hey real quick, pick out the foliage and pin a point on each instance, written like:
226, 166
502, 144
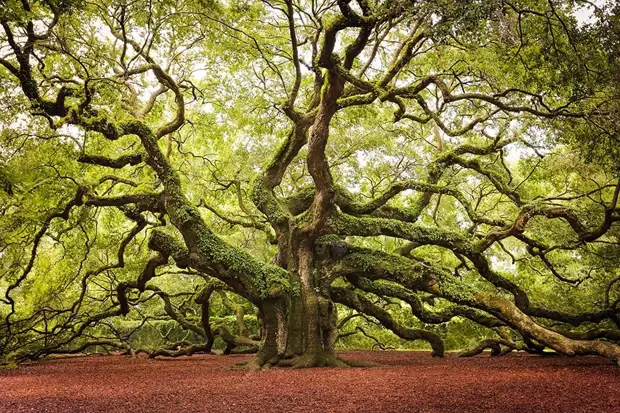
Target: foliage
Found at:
442, 169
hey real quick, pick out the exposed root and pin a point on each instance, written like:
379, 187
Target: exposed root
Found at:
260, 361
318, 360
177, 351
492, 344
438, 351
252, 365
322, 359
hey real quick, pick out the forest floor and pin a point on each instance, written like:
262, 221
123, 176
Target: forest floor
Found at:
405, 382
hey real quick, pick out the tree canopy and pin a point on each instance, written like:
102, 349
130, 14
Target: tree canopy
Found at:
308, 166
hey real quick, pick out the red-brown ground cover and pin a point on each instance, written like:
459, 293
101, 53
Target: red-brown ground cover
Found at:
406, 382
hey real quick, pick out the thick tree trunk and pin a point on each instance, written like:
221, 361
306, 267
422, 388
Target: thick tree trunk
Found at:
310, 302
295, 328
272, 314
299, 331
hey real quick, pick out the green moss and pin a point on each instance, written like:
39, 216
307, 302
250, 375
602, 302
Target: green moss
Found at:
325, 86
382, 265
329, 239
349, 225
261, 280
267, 203
356, 100
454, 290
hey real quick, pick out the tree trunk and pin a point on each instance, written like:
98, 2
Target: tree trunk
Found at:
272, 314
295, 328
299, 331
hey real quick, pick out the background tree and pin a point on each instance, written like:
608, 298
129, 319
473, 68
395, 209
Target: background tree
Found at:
293, 158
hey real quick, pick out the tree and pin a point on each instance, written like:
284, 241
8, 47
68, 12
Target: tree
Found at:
360, 153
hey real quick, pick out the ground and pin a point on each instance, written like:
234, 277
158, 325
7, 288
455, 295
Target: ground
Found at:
405, 382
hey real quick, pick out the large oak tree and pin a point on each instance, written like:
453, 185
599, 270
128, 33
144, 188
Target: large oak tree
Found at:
305, 157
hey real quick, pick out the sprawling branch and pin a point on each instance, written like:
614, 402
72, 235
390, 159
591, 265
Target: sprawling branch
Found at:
360, 303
